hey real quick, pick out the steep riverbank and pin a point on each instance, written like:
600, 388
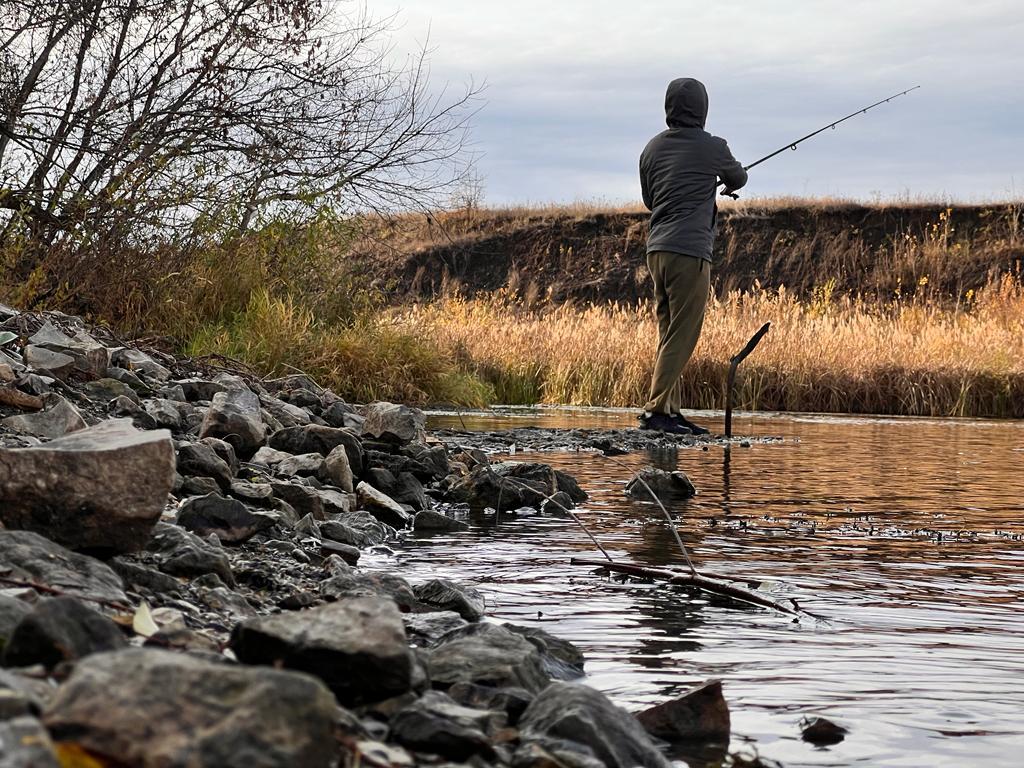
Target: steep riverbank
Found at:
588, 254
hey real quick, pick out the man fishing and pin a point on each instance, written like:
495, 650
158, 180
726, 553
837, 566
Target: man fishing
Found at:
680, 170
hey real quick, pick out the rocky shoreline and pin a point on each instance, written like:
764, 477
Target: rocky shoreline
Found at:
180, 581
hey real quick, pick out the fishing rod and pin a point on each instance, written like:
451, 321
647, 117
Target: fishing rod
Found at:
792, 145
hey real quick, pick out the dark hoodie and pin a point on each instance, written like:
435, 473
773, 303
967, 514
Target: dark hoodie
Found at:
679, 173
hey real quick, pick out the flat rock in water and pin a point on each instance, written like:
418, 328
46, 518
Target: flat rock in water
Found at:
357, 647
101, 488
230, 519
487, 654
700, 713
234, 416
394, 423
34, 559
666, 485
821, 731
509, 485
382, 506
58, 418
585, 715
445, 595
60, 629
162, 708
431, 520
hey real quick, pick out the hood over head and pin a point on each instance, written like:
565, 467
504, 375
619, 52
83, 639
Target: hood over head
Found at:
686, 103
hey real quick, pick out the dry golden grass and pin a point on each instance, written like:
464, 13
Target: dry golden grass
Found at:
829, 354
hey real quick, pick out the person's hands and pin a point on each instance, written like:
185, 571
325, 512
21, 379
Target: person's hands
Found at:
726, 192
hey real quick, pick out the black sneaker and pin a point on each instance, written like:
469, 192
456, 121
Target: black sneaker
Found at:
694, 429
662, 422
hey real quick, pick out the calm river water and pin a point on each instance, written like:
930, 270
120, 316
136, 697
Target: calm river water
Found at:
905, 534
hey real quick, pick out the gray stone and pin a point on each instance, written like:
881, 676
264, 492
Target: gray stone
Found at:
666, 485
405, 488
445, 595
229, 519
821, 731
269, 457
512, 701
303, 465
137, 360
335, 530
225, 450
199, 389
58, 418
24, 743
437, 725
55, 364
162, 709
318, 439
487, 654
382, 506
583, 714
394, 423
303, 499
129, 378
344, 586
346, 552
181, 553
22, 694
12, 611
700, 713
104, 390
357, 647
200, 460
430, 520
101, 488
335, 470
60, 629
29, 557
374, 531
234, 416
562, 660
425, 629
167, 413
335, 502
287, 415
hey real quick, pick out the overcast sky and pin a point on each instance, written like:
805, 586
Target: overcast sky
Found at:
575, 89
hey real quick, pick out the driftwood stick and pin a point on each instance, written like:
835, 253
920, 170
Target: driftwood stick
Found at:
693, 580
18, 399
734, 363
668, 517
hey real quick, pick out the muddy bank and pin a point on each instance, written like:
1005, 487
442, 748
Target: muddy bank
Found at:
181, 582
876, 250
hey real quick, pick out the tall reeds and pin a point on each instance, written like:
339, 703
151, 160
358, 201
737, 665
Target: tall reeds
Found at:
829, 354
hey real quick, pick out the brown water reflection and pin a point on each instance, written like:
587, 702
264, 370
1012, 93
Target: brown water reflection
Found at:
906, 534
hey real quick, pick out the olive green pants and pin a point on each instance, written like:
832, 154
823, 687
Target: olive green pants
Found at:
681, 288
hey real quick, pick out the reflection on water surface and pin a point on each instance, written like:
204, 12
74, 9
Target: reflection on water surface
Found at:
906, 534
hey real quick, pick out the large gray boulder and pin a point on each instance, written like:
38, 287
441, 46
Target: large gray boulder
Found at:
102, 488
584, 715
28, 557
446, 595
665, 485
357, 647
561, 659
151, 708
235, 417
201, 460
486, 654
394, 423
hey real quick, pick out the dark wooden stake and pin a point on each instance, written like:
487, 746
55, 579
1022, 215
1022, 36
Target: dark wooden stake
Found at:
734, 363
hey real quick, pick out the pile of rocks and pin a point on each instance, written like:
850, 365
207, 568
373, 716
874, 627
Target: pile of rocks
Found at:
179, 581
